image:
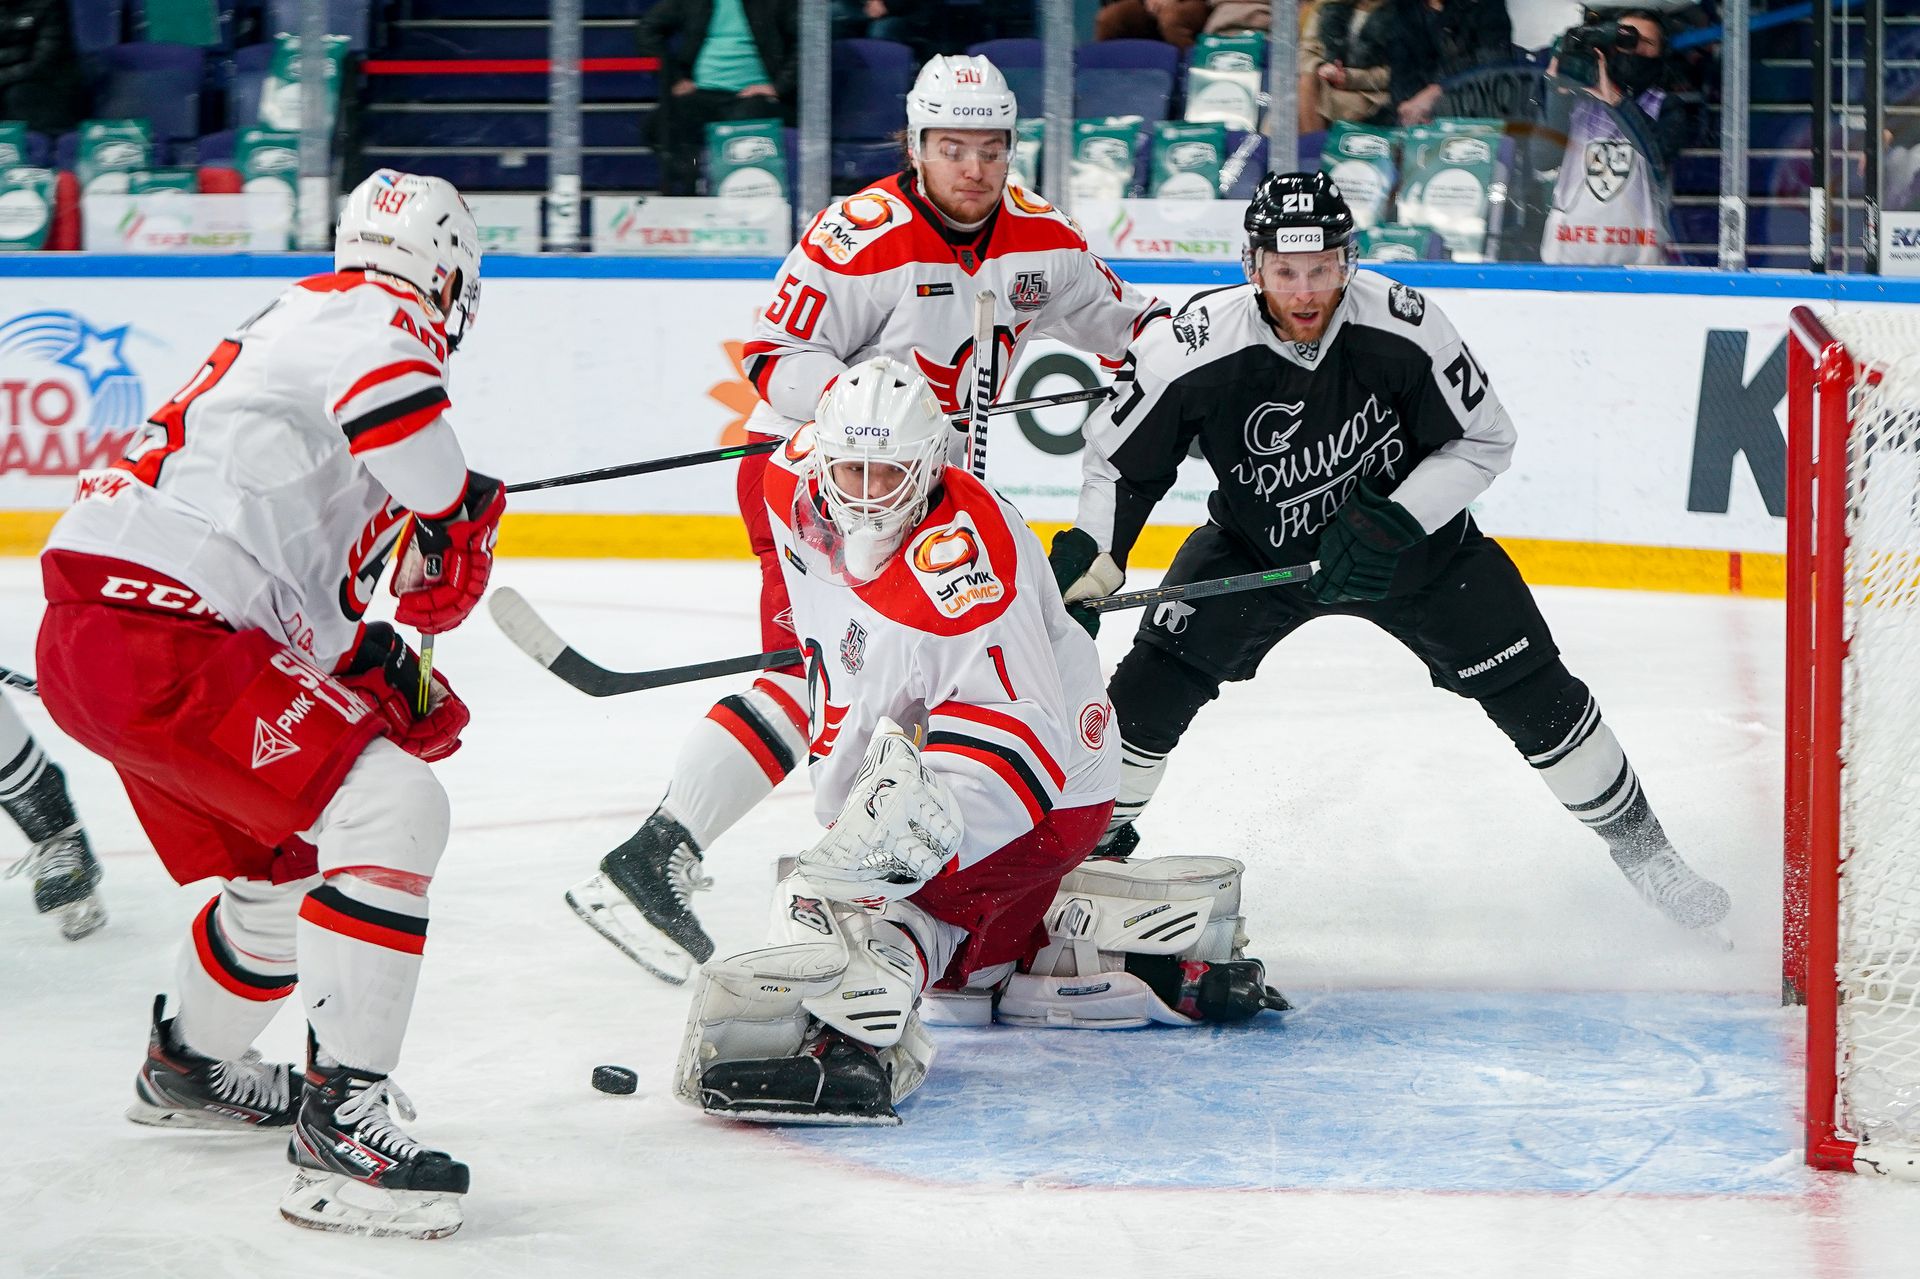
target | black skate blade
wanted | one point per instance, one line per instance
(656, 952)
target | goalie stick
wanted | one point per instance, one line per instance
(530, 633)
(14, 679)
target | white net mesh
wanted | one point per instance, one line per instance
(1879, 927)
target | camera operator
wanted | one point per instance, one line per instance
(1623, 134)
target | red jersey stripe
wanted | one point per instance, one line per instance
(397, 430)
(1006, 724)
(788, 707)
(386, 373)
(999, 768)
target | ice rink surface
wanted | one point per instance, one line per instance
(1502, 1064)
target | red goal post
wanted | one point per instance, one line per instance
(1851, 943)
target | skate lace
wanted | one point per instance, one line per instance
(1664, 877)
(251, 1082)
(684, 875)
(366, 1113)
(51, 858)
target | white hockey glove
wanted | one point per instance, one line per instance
(899, 826)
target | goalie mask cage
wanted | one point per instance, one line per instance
(1852, 821)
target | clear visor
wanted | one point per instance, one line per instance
(1321, 271)
(848, 552)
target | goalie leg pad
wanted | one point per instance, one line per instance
(1095, 1001)
(749, 1006)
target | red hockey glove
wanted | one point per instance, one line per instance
(444, 562)
(385, 673)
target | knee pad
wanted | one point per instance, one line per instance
(1155, 697)
(387, 823)
(1543, 713)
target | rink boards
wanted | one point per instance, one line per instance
(1649, 403)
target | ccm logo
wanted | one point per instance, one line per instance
(177, 599)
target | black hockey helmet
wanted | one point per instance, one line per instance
(1298, 213)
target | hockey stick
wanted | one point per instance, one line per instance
(985, 356)
(14, 679)
(532, 636)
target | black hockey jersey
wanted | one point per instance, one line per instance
(1390, 394)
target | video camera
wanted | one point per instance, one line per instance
(1581, 49)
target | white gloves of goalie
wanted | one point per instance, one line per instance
(899, 826)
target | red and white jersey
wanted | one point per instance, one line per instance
(963, 635)
(276, 481)
(880, 273)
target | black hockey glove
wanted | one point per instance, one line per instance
(1072, 558)
(1362, 547)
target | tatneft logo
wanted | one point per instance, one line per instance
(70, 398)
(1481, 668)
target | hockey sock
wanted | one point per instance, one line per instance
(734, 757)
(33, 790)
(235, 968)
(1140, 774)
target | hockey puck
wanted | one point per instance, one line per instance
(615, 1079)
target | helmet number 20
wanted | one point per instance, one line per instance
(1297, 202)
(797, 311)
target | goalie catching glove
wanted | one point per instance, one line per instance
(385, 673)
(898, 828)
(1362, 547)
(1083, 572)
(444, 560)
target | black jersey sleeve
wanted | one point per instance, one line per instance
(1134, 444)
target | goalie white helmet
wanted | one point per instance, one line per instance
(420, 230)
(954, 92)
(879, 448)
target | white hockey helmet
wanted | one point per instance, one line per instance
(879, 448)
(955, 92)
(418, 229)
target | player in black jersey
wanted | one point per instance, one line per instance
(1345, 420)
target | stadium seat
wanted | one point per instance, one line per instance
(1105, 91)
(1146, 55)
(249, 76)
(1029, 90)
(96, 24)
(215, 148)
(344, 18)
(870, 83)
(1010, 53)
(157, 82)
(39, 150)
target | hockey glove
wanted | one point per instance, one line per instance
(897, 830)
(385, 673)
(444, 562)
(1362, 547)
(1083, 572)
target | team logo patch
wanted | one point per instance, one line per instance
(866, 212)
(270, 744)
(1406, 303)
(853, 647)
(1093, 724)
(1609, 163)
(1029, 291)
(1173, 616)
(952, 566)
(1191, 328)
(1026, 201)
(809, 913)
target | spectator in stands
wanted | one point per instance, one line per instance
(1429, 41)
(39, 71)
(905, 21)
(1175, 21)
(1234, 17)
(719, 60)
(1343, 65)
(1624, 132)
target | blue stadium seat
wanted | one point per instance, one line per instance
(243, 91)
(215, 148)
(344, 18)
(1104, 91)
(96, 24)
(1146, 55)
(1010, 53)
(1029, 90)
(157, 82)
(39, 150)
(870, 83)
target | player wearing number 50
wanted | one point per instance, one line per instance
(922, 600)
(203, 633)
(893, 270)
(1345, 419)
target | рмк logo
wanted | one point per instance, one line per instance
(69, 399)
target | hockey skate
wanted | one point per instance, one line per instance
(638, 901)
(179, 1088)
(65, 873)
(356, 1172)
(834, 1079)
(1678, 891)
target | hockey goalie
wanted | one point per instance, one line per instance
(961, 759)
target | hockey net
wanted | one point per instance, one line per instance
(1853, 732)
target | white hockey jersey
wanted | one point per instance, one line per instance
(963, 635)
(880, 273)
(275, 482)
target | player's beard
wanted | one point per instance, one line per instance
(1286, 315)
